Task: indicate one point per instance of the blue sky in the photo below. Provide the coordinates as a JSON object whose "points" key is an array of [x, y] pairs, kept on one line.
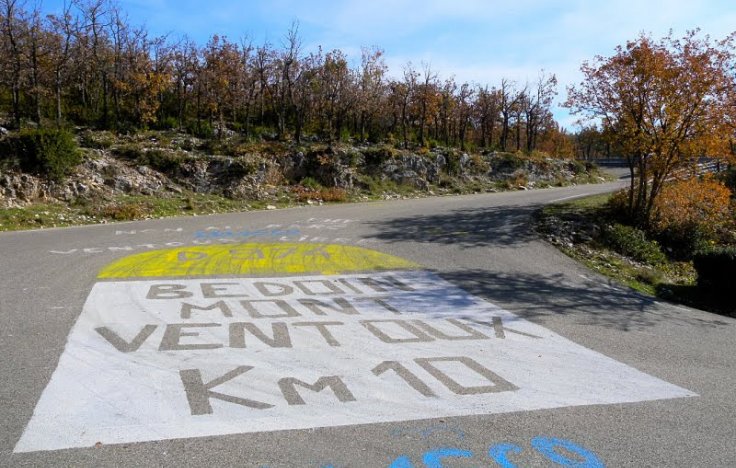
{"points": [[474, 40]]}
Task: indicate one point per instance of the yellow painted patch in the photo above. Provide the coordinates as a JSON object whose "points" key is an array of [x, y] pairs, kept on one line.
{"points": [[253, 259]]}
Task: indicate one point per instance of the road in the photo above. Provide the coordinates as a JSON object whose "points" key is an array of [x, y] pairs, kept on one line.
{"points": [[445, 333]]}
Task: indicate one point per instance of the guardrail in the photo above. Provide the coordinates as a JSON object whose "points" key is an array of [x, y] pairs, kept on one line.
{"points": [[703, 166]]}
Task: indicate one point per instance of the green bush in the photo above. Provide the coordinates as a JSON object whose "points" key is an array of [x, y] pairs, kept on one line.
{"points": [[633, 243], [453, 162], [507, 162], [163, 161], [201, 129], [578, 167], [241, 167], [311, 183], [168, 123], [50, 152], [129, 151], [99, 140]]}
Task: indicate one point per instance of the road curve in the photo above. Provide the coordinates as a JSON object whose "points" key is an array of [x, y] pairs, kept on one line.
{"points": [[667, 373]]}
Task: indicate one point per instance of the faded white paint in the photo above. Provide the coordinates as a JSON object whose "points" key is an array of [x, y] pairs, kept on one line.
{"points": [[101, 394]]}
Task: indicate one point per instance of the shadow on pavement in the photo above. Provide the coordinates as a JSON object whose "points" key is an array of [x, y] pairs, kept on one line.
{"points": [[544, 295], [492, 226]]}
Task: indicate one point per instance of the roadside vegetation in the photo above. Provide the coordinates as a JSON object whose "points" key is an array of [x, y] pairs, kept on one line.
{"points": [[686, 255], [664, 104], [168, 173]]}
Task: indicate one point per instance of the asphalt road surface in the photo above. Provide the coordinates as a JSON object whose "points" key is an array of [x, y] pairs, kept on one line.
{"points": [[412, 333]]}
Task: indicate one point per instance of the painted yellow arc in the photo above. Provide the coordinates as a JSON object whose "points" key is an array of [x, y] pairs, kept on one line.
{"points": [[253, 259]]}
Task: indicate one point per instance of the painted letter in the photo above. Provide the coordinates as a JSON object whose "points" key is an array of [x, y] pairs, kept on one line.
{"points": [[199, 393], [499, 384], [186, 309], [122, 345], [288, 388], [499, 454], [280, 332], [168, 291], [173, 334]]}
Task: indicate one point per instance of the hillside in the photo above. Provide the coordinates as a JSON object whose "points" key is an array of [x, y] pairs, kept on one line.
{"points": [[164, 173]]}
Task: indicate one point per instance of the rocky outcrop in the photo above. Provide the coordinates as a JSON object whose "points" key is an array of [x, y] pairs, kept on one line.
{"points": [[151, 167]]}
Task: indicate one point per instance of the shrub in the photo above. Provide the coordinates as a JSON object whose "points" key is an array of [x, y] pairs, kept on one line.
{"points": [[689, 213], [168, 123], [716, 269], [333, 194], [100, 140], [453, 162], [129, 151], [243, 166], [633, 243], [479, 165], [578, 167], [377, 155], [618, 204], [163, 161], [311, 183], [51, 152], [507, 162], [123, 212], [201, 129]]}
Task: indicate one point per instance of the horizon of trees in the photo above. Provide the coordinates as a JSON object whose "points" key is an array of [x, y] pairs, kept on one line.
{"points": [[89, 66]]}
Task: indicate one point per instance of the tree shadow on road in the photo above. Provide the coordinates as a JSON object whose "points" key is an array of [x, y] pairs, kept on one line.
{"points": [[492, 226], [539, 296]]}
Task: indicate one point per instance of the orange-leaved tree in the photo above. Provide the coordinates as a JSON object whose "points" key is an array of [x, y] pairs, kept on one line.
{"points": [[664, 103]]}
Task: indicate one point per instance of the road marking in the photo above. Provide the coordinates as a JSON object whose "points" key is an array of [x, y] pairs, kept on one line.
{"points": [[570, 197], [336, 343], [253, 259]]}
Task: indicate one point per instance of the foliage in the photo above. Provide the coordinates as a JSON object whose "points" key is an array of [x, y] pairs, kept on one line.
{"points": [[130, 151], [661, 103], [86, 65], [453, 162], [478, 164], [327, 194], [310, 183], [579, 167], [633, 242], [716, 269], [161, 160], [691, 212], [728, 177], [377, 155], [50, 152], [96, 140], [200, 129], [507, 162]]}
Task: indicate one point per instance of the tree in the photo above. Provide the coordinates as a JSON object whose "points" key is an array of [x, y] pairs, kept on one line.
{"points": [[63, 28], [537, 106], [509, 102], [487, 109], [371, 89], [12, 29], [664, 103]]}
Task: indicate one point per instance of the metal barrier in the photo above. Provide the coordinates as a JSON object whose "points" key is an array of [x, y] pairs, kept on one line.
{"points": [[703, 166]]}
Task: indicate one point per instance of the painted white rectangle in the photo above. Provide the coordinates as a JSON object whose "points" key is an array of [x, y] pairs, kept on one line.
{"points": [[106, 391]]}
